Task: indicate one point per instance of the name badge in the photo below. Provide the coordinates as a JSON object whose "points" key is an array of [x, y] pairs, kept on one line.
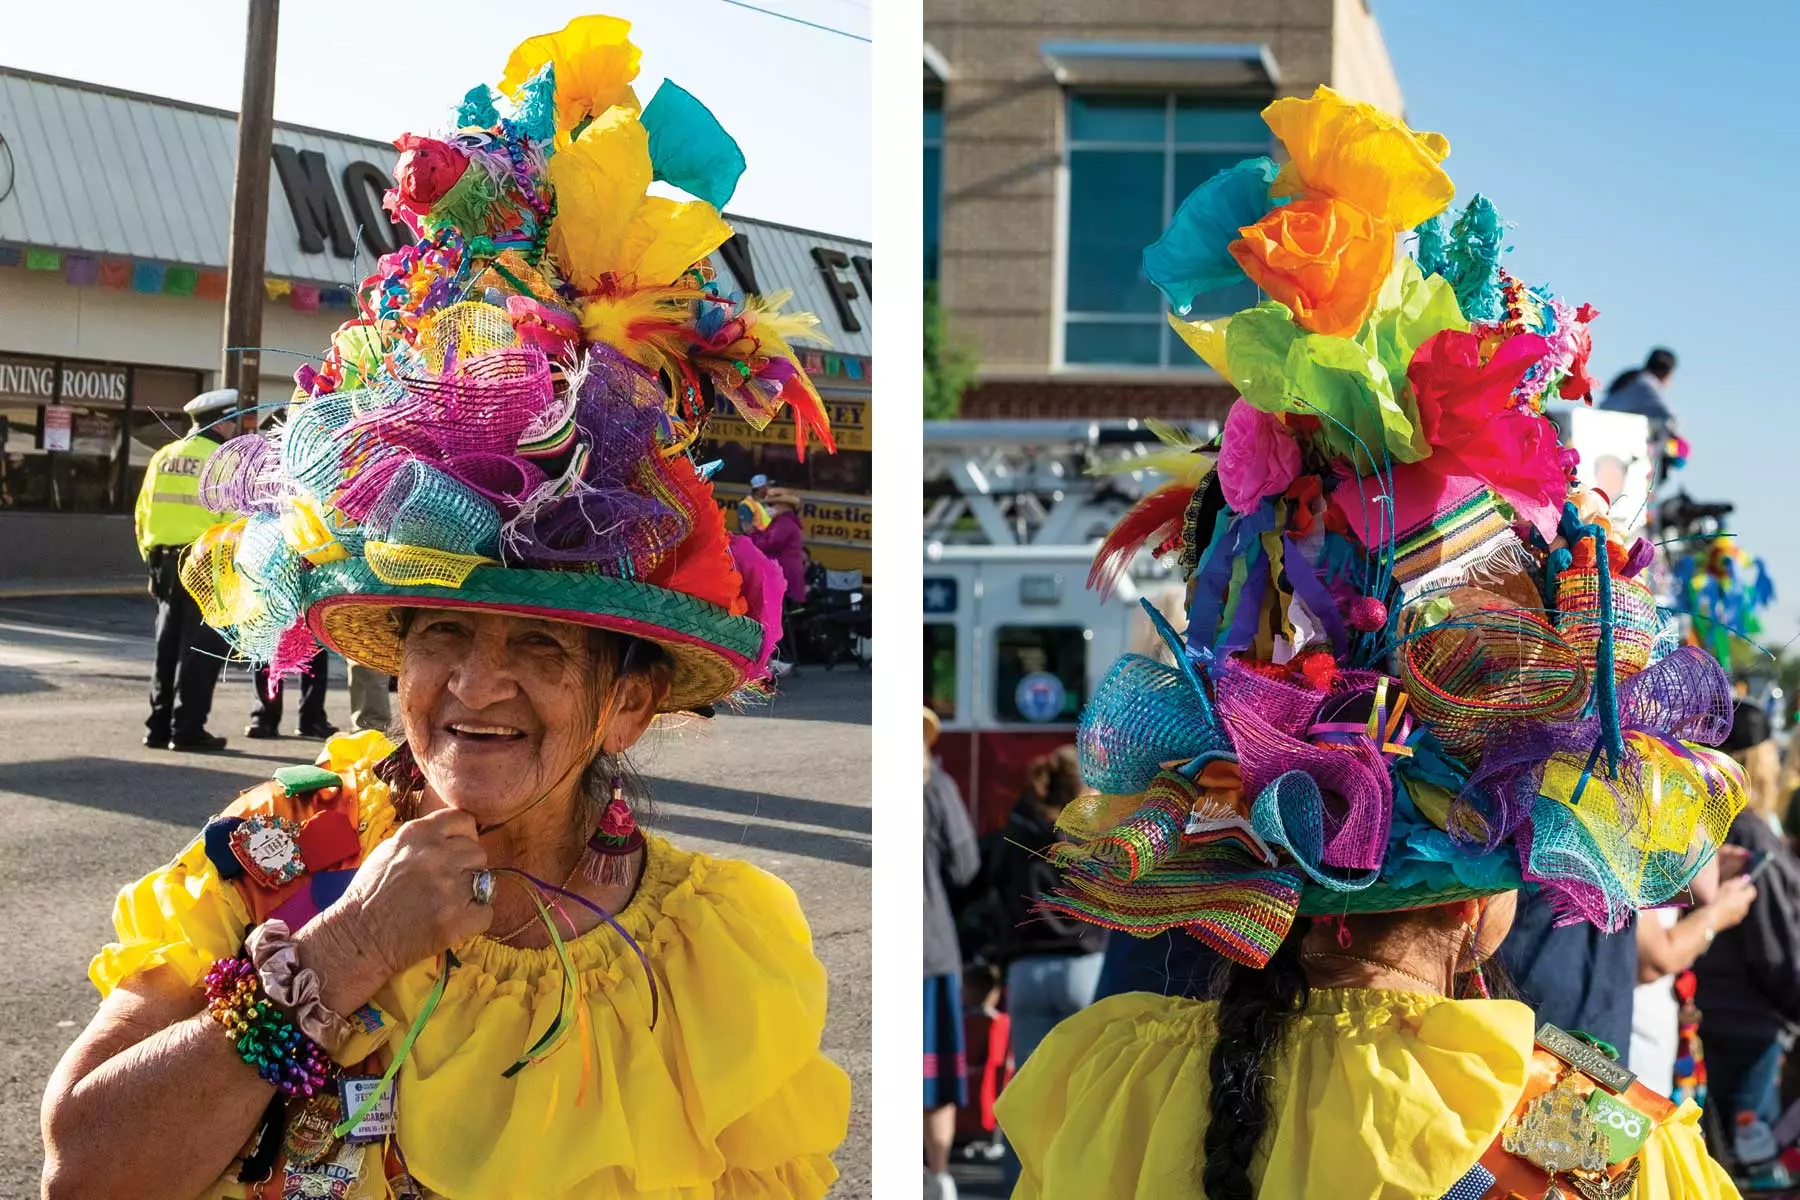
{"points": [[378, 1122], [1585, 1058]]}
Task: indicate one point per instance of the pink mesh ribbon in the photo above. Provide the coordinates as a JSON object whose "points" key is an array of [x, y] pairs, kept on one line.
{"points": [[764, 587], [1268, 720]]}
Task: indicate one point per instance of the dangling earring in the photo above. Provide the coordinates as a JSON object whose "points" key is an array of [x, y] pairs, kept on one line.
{"points": [[609, 850], [1473, 945]]}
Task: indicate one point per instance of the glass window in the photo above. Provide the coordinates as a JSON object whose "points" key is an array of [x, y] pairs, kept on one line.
{"points": [[934, 177], [1132, 160], [940, 669], [1040, 673]]}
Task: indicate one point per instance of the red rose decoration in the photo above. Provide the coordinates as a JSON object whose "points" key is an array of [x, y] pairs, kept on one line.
{"points": [[427, 170]]}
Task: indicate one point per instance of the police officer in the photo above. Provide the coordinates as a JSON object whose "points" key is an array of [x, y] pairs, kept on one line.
{"points": [[170, 516]]}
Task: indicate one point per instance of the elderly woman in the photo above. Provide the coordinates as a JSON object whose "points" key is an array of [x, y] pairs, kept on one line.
{"points": [[1371, 736], [456, 967]]}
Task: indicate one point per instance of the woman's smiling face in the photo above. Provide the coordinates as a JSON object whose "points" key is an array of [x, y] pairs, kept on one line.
{"points": [[498, 709]]}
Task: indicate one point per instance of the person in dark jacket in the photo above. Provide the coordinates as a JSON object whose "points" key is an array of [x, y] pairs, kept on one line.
{"points": [[952, 860], [1052, 963], [1749, 981]]}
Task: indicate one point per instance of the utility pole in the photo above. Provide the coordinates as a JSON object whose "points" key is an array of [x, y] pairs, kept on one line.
{"points": [[250, 210]]}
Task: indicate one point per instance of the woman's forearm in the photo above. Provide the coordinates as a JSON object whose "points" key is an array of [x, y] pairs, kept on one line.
{"points": [[1680, 945], [161, 1118]]}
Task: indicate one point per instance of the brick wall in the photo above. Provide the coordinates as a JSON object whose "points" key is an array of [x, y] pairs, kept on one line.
{"points": [[1062, 399]]}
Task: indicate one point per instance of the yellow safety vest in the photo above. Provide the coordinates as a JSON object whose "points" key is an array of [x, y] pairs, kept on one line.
{"points": [[169, 512]]}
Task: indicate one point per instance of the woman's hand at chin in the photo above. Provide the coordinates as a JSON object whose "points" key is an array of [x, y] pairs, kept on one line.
{"points": [[411, 899]]}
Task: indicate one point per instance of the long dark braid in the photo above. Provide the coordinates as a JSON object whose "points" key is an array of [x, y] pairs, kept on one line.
{"points": [[1254, 1011]]}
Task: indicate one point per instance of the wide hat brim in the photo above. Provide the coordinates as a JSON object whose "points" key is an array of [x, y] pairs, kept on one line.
{"points": [[351, 611], [1380, 897]]}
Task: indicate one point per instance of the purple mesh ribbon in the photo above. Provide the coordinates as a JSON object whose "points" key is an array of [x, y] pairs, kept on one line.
{"points": [[606, 519], [1267, 720], [482, 405], [243, 476], [1685, 697]]}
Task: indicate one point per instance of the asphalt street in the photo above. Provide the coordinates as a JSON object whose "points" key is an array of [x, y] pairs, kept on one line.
{"points": [[84, 809]]}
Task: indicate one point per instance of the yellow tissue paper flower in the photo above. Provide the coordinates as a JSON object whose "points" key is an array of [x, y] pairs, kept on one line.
{"points": [[303, 528], [1353, 151], [594, 61], [1205, 338], [607, 226]]}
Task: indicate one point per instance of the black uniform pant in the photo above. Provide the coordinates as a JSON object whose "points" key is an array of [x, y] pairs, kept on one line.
{"points": [[189, 655], [313, 686]]}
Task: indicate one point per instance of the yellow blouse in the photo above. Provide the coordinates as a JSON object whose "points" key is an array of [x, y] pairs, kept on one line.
{"points": [[729, 1097], [1380, 1094]]}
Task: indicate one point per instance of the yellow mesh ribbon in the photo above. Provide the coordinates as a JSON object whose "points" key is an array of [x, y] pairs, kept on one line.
{"points": [[1668, 799], [469, 328], [210, 576], [416, 566]]}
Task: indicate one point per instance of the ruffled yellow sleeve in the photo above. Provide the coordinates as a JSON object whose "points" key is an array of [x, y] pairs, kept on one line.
{"points": [[727, 1097], [183, 916], [1676, 1165], [1384, 1094], [186, 917]]}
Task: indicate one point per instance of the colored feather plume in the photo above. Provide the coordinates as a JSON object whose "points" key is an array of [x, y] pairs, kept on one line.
{"points": [[1152, 521], [1180, 458], [648, 325]]}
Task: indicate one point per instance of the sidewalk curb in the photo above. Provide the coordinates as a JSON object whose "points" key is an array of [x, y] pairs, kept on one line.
{"points": [[50, 588]]}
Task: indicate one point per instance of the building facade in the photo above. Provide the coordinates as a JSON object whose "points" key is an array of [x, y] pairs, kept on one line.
{"points": [[115, 212], [1060, 137]]}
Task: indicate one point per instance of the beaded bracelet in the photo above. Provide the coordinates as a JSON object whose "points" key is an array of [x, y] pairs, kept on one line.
{"points": [[265, 1039]]}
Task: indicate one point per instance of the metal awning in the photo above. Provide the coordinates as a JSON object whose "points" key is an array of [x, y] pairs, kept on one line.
{"points": [[1202, 66], [937, 67]]}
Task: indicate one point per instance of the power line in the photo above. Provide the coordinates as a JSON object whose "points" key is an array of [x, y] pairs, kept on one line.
{"points": [[769, 12]]}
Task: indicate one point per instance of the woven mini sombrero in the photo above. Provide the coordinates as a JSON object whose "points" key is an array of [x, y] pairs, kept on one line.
{"points": [[1418, 666], [506, 423]]}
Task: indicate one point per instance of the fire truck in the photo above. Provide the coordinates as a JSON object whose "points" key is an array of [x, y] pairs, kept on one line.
{"points": [[1015, 641]]}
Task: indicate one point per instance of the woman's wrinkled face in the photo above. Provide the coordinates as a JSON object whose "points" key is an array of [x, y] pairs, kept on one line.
{"points": [[498, 709]]}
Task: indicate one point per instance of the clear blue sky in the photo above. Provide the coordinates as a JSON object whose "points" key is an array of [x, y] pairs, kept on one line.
{"points": [[1646, 154], [797, 99]]}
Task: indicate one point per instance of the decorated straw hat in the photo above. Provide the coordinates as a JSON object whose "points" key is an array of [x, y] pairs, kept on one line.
{"points": [[1418, 666], [506, 424]]}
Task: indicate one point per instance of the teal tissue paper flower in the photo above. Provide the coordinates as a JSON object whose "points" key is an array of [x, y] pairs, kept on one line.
{"points": [[1191, 258], [534, 108], [477, 109], [689, 149]]}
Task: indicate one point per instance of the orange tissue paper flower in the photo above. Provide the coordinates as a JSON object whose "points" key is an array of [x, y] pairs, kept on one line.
{"points": [[1324, 258], [1354, 151]]}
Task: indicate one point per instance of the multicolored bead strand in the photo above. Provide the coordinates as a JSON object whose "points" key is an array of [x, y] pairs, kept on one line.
{"points": [[265, 1039]]}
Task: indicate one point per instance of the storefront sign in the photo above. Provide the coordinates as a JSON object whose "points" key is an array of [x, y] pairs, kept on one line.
{"points": [[825, 519], [836, 519], [57, 423], [34, 381], [94, 433], [849, 425], [319, 218]]}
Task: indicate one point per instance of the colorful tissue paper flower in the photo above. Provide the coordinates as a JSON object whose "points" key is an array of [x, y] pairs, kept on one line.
{"points": [[607, 226], [1410, 309], [1337, 382], [1257, 457], [1579, 340], [426, 170], [594, 63], [1324, 258], [1353, 151], [1476, 428], [689, 148], [1192, 256]]}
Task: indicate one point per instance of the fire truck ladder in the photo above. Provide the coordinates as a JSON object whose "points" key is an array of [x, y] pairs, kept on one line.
{"points": [[1022, 483]]}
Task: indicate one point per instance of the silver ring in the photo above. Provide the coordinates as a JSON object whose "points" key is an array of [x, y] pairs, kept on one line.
{"points": [[483, 888]]}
